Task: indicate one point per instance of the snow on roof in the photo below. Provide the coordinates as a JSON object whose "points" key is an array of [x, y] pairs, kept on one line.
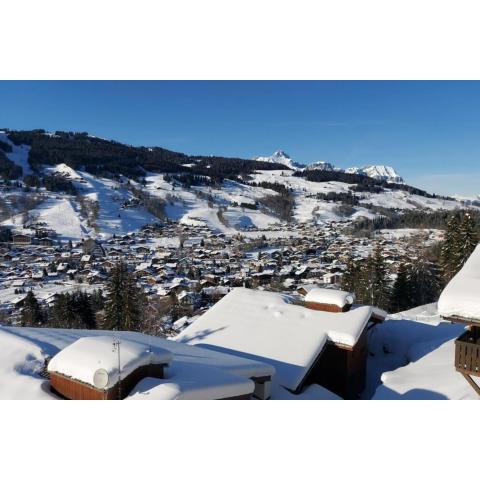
{"points": [[266, 327], [339, 298], [307, 287], [190, 381], [461, 297], [83, 358], [49, 341]]}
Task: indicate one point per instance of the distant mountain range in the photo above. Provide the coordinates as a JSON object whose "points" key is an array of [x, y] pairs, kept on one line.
{"points": [[378, 172], [80, 185]]}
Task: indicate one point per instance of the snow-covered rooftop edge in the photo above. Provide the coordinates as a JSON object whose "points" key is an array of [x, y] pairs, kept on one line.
{"points": [[461, 297]]}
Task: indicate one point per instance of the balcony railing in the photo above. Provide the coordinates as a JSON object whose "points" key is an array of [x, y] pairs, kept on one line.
{"points": [[467, 356]]}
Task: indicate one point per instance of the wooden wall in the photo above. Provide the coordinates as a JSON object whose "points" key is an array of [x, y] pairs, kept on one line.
{"points": [[327, 307], [75, 390], [342, 369]]}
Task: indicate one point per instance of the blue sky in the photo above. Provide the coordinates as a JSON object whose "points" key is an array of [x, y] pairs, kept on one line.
{"points": [[429, 131]]}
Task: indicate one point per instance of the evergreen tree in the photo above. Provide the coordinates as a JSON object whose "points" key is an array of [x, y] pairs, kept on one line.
{"points": [[123, 301], [83, 311], [424, 282], [402, 289], [467, 240], [97, 300], [351, 276], [449, 248], [31, 312], [375, 280]]}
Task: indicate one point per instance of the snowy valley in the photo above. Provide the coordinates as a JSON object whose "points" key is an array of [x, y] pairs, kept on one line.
{"points": [[212, 245]]}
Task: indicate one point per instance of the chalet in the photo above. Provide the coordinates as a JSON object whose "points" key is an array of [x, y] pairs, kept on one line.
{"points": [[329, 300], [88, 369], [332, 278], [305, 346], [21, 239], [460, 303], [45, 242], [93, 248]]}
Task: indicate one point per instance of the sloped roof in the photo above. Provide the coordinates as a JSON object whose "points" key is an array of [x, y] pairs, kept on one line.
{"points": [[266, 327]]}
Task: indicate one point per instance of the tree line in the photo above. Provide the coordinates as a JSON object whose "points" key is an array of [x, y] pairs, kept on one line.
{"points": [[110, 158], [362, 183], [419, 280], [119, 309]]}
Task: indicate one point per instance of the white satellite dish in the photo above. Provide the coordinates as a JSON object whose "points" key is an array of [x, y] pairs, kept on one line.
{"points": [[100, 378]]}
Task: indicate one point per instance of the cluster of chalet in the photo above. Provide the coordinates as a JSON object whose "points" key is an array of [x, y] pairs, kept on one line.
{"points": [[192, 263], [250, 344]]}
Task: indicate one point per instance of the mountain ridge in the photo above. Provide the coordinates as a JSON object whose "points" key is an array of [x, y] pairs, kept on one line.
{"points": [[378, 172]]}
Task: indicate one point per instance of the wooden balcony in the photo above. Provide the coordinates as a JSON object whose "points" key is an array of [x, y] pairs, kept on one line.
{"points": [[467, 355]]}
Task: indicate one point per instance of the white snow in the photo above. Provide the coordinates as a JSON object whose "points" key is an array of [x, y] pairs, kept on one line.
{"points": [[266, 327], [281, 158], [379, 172], [190, 381], [112, 218], [83, 358], [461, 297], [327, 295], [23, 351], [20, 363], [412, 357], [18, 155], [430, 375], [60, 215]]}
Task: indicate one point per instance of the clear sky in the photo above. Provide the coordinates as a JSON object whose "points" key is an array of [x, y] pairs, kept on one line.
{"points": [[428, 131]]}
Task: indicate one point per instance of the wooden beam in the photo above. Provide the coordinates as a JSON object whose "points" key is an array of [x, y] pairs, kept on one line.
{"points": [[466, 321], [471, 382]]}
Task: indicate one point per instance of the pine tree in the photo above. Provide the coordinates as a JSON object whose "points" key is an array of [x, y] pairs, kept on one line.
{"points": [[449, 248], [123, 301], [82, 310], [31, 312], [350, 277], [424, 281], [375, 280], [402, 289], [467, 240]]}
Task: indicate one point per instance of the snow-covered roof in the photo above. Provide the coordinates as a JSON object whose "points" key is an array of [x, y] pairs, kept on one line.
{"points": [[48, 341], [461, 297], [190, 381], [339, 298], [264, 326], [84, 358]]}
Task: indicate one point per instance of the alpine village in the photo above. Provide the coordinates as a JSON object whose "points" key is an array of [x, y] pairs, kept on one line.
{"points": [[141, 273]]}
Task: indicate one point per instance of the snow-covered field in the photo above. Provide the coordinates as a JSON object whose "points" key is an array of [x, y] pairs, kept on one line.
{"points": [[308, 208], [200, 205], [60, 215], [18, 155]]}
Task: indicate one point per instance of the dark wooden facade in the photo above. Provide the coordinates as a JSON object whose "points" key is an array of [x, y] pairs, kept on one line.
{"points": [[467, 356], [327, 307], [72, 389], [341, 369]]}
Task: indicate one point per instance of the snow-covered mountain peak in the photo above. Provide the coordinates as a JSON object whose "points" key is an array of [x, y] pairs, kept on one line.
{"points": [[379, 172], [324, 166], [281, 158]]}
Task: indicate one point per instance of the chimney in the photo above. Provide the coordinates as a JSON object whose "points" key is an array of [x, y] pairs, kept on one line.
{"points": [[328, 300]]}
